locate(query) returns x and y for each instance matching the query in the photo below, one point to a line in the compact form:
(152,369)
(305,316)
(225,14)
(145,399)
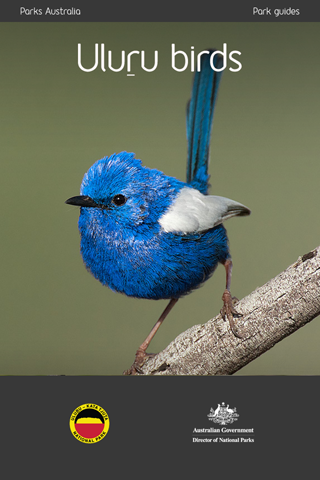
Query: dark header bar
(164,11)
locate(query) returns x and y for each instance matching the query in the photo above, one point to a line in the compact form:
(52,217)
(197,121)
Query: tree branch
(270,313)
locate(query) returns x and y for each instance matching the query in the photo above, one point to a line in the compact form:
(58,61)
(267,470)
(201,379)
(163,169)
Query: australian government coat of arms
(223,414)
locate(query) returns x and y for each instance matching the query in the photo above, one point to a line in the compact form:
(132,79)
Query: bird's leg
(141,353)
(228,311)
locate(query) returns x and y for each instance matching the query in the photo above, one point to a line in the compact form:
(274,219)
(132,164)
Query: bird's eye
(119,200)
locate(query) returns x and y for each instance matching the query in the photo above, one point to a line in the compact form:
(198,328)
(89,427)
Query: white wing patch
(193,212)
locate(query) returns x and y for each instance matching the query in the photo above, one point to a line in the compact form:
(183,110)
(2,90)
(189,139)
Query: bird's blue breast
(148,262)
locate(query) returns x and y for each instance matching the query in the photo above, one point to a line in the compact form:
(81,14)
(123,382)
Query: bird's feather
(199,120)
(193,212)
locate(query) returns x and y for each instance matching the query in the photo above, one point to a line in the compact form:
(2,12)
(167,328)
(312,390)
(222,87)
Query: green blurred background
(56,121)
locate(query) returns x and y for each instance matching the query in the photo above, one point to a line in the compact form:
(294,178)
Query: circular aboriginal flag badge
(89,423)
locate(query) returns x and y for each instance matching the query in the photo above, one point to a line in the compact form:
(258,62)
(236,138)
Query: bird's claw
(228,311)
(136,367)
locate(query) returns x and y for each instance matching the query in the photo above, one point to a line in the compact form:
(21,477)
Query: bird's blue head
(118,193)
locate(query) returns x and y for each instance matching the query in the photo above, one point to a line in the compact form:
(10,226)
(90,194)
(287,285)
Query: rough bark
(269,314)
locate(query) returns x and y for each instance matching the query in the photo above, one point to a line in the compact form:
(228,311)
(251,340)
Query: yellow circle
(90,416)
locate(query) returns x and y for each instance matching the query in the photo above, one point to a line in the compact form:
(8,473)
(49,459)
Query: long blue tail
(199,120)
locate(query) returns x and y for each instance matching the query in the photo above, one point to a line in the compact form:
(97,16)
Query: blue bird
(149,235)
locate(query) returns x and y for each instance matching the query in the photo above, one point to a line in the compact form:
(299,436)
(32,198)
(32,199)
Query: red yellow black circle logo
(89,423)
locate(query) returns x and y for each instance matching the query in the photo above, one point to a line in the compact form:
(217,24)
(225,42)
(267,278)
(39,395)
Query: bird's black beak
(81,201)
